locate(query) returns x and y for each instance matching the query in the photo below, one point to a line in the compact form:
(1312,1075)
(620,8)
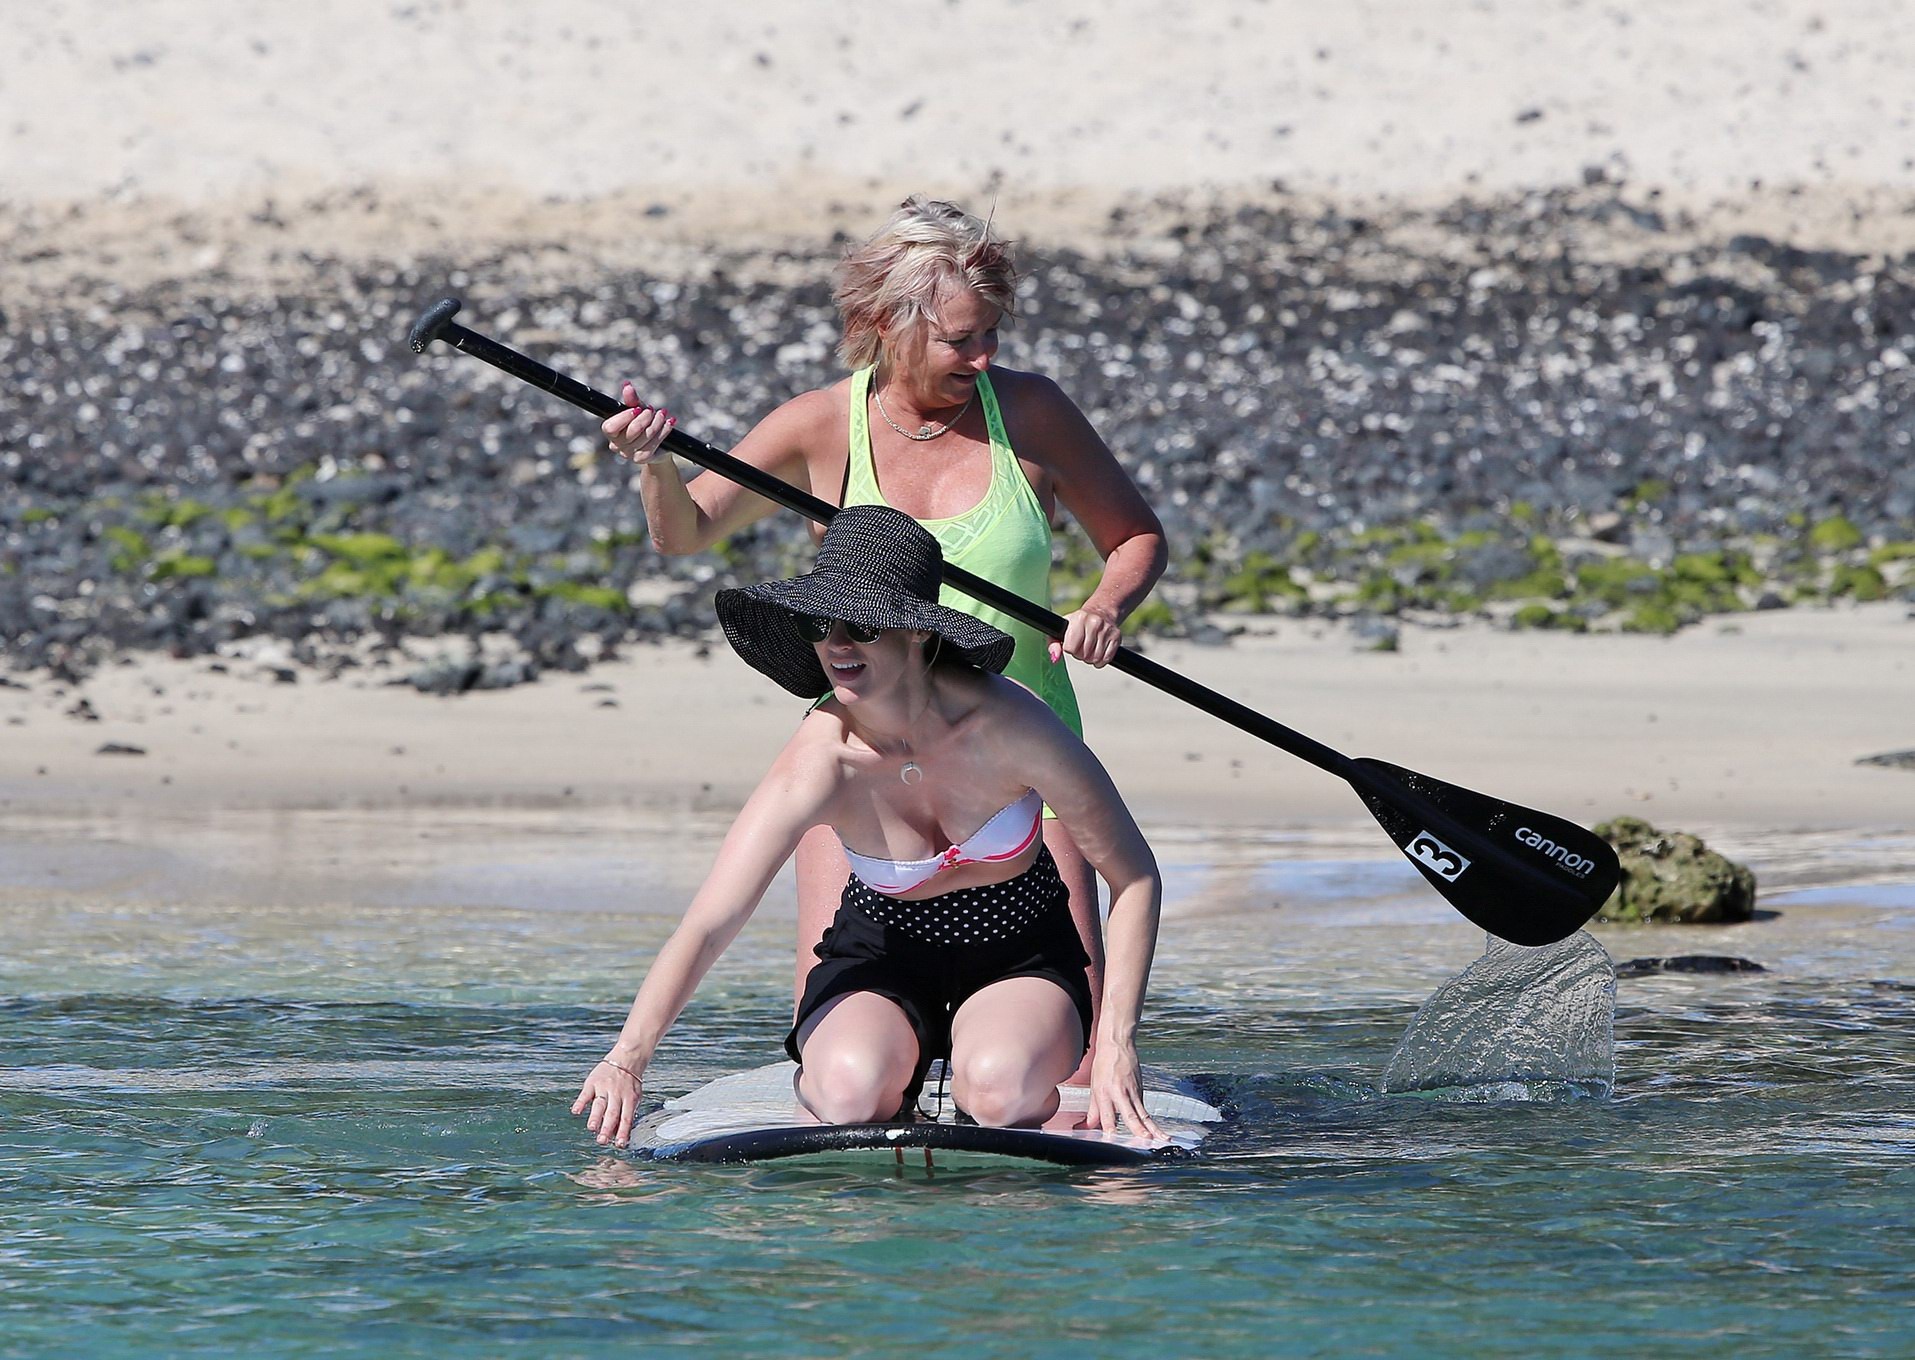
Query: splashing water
(1518,1024)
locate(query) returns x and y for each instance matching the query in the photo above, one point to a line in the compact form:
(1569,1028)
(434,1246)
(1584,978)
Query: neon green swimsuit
(1005,538)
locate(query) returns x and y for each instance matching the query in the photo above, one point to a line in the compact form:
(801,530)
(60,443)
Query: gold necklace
(925,432)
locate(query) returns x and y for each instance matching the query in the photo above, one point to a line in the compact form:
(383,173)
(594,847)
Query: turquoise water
(338,1127)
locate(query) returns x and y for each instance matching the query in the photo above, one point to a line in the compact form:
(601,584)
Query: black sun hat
(876,567)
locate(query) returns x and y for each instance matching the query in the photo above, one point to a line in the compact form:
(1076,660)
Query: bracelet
(623,1068)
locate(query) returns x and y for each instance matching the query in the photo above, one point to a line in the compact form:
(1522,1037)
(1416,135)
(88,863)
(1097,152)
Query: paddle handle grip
(437,324)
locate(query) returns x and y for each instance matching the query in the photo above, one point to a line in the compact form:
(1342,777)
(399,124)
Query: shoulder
(814,414)
(811,767)
(821,736)
(804,440)
(998,709)
(1044,424)
(1033,395)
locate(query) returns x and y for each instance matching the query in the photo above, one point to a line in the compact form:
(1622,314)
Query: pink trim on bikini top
(1007,835)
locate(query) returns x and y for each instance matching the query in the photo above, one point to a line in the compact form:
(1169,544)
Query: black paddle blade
(1523,875)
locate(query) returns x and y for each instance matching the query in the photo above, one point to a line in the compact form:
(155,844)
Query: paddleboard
(753,1116)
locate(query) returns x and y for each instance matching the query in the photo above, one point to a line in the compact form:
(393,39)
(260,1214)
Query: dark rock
(1892,760)
(115,748)
(1280,375)
(1482,567)
(521,670)
(449,675)
(1376,635)
(1688,963)
(355,491)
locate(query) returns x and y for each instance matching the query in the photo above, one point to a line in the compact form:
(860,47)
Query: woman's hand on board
(1117,1092)
(609,1100)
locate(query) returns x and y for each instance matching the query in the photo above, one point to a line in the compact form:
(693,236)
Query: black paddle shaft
(1533,878)
(437,324)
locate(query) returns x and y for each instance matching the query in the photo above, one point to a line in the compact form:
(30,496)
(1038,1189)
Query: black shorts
(932,956)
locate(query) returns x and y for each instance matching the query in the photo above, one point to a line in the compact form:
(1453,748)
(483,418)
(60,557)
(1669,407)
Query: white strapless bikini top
(1007,835)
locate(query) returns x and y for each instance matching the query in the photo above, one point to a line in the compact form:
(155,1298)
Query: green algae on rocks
(1672,877)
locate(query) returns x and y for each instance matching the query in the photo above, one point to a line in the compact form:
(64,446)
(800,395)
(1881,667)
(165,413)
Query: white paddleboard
(753,1116)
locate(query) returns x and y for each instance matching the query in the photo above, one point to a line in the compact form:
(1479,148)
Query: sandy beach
(181,137)
(194,101)
(1752,722)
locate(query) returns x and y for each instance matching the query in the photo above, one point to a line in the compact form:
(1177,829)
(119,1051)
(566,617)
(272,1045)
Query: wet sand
(1745,729)
(1751,722)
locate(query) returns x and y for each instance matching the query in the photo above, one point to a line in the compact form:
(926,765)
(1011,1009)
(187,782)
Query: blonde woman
(983,456)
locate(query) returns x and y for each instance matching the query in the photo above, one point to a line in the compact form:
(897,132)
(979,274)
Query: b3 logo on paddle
(1437,857)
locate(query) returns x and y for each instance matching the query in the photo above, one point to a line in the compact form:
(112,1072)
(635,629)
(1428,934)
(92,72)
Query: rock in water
(1689,963)
(1892,760)
(1672,877)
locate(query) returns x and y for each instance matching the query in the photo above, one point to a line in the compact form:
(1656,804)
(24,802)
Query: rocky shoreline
(1490,409)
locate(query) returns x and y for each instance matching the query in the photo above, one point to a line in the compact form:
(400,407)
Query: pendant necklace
(912,772)
(925,432)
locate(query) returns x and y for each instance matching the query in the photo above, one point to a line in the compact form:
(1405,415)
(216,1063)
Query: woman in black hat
(986,457)
(953,937)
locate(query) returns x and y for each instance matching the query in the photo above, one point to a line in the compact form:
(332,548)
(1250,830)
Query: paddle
(1527,876)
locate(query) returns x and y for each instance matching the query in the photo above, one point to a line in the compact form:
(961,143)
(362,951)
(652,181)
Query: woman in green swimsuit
(982,456)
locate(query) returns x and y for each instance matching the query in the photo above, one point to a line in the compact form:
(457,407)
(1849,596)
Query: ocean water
(242,1115)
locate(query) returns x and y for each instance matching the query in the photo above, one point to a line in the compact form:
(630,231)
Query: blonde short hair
(926,248)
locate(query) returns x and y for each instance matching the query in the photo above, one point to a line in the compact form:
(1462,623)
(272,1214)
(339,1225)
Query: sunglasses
(816,628)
